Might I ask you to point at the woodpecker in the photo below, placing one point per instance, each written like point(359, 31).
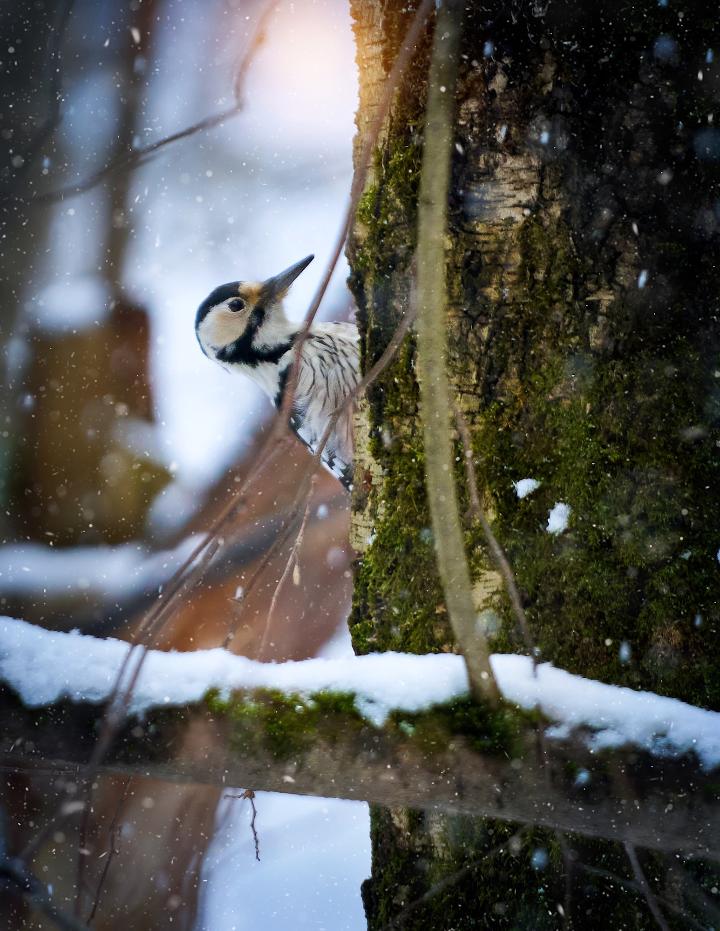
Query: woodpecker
point(242, 326)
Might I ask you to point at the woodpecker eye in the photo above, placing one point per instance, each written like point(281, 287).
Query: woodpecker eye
point(236, 304)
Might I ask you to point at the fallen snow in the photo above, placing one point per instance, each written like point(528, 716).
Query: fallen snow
point(558, 518)
point(108, 571)
point(617, 715)
point(44, 666)
point(526, 486)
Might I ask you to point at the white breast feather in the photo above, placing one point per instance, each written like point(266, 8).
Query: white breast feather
point(329, 370)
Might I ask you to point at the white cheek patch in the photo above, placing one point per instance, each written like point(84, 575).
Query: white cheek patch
point(222, 327)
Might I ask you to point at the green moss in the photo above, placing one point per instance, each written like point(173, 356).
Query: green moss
point(387, 207)
point(485, 729)
point(637, 566)
point(629, 442)
point(334, 703)
point(285, 724)
point(397, 601)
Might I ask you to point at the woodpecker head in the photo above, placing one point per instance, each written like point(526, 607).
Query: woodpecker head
point(237, 318)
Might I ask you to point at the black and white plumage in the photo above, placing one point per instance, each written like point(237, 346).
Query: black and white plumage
point(242, 326)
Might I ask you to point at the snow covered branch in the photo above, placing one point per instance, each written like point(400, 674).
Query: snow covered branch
point(624, 765)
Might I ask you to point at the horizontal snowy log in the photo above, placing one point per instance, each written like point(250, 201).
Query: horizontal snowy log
point(414, 759)
point(45, 666)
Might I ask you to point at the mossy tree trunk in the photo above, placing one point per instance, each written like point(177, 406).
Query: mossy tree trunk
point(583, 322)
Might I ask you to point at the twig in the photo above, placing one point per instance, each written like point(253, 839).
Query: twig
point(112, 850)
point(635, 887)
point(497, 551)
point(183, 581)
point(432, 354)
point(442, 886)
point(642, 882)
point(249, 795)
point(385, 359)
point(291, 562)
point(142, 154)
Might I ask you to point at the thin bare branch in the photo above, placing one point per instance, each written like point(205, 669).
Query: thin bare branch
point(432, 354)
point(644, 886)
point(503, 564)
point(249, 795)
point(292, 561)
point(635, 887)
point(183, 581)
point(112, 848)
point(385, 359)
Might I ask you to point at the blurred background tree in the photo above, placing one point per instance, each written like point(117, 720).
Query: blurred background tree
point(118, 439)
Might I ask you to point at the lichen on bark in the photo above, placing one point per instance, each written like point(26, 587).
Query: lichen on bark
point(568, 370)
point(584, 344)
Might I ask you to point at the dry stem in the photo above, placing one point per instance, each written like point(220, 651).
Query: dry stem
point(432, 354)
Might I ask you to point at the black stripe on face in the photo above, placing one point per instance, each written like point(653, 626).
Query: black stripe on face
point(243, 352)
point(221, 294)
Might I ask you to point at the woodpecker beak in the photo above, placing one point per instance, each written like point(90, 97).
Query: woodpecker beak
point(275, 288)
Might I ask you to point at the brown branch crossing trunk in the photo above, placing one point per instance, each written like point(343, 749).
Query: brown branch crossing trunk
point(435, 400)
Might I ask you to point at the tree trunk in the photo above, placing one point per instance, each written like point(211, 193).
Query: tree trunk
point(582, 319)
